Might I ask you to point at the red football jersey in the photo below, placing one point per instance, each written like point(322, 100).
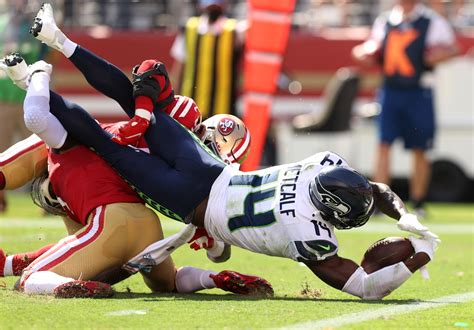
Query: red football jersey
point(85, 181)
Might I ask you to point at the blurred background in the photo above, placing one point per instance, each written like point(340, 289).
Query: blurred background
point(319, 77)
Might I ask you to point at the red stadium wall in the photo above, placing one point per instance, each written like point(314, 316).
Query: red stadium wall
point(310, 59)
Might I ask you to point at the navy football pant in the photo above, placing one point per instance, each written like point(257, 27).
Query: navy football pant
point(180, 173)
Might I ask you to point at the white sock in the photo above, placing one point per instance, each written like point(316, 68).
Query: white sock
point(69, 47)
point(190, 279)
point(8, 268)
point(44, 282)
point(37, 117)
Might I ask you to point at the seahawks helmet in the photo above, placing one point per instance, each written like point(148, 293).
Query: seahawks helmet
point(228, 137)
point(343, 196)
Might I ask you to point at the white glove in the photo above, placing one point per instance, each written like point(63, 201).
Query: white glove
point(426, 245)
point(409, 222)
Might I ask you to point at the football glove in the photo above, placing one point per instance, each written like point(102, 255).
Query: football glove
point(426, 245)
point(409, 222)
point(129, 133)
point(201, 240)
point(150, 79)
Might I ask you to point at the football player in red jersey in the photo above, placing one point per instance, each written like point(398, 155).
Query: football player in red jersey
point(108, 189)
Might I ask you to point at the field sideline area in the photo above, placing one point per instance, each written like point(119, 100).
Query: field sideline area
point(301, 300)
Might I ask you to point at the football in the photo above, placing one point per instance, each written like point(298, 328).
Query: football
point(386, 252)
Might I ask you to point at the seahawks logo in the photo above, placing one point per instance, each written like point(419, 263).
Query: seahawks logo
point(332, 201)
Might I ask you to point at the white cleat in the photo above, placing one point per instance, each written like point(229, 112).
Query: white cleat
point(40, 66)
point(45, 29)
point(17, 69)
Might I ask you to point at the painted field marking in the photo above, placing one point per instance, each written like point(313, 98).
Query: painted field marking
point(368, 315)
point(126, 312)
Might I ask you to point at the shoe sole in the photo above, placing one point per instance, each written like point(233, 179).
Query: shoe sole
point(80, 290)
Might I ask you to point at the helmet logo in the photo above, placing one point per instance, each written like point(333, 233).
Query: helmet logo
point(332, 201)
point(226, 126)
point(335, 204)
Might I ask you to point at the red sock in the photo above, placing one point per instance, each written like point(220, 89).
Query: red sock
point(22, 260)
point(144, 102)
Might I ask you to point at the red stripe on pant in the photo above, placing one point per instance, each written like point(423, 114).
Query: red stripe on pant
point(81, 240)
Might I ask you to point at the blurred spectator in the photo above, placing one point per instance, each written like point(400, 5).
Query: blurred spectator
point(206, 57)
point(408, 42)
point(14, 37)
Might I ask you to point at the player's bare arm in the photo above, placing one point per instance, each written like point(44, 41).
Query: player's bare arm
point(387, 201)
point(346, 275)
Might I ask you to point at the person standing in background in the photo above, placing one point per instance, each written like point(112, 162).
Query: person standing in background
point(408, 42)
point(14, 36)
point(206, 57)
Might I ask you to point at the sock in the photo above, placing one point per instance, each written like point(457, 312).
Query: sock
point(44, 282)
point(15, 264)
point(143, 107)
point(190, 279)
point(69, 47)
point(37, 117)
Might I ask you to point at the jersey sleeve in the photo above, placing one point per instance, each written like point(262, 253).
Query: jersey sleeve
point(311, 241)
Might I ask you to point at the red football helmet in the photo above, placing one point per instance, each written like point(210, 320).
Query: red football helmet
point(184, 110)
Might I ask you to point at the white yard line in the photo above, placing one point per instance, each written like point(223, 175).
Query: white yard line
point(370, 314)
point(371, 227)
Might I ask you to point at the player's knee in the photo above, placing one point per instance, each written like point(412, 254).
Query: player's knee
point(36, 111)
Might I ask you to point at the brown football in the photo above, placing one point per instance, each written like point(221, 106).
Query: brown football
point(386, 252)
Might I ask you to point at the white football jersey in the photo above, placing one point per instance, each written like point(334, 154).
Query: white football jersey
point(270, 211)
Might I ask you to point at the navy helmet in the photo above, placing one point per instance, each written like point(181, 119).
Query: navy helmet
point(343, 196)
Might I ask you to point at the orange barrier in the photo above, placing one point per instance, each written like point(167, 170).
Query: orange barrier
point(268, 32)
point(284, 6)
point(257, 123)
point(266, 40)
point(261, 72)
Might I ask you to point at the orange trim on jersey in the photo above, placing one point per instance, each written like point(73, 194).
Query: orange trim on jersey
point(396, 59)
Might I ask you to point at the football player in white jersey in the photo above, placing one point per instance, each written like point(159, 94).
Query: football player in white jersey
point(288, 211)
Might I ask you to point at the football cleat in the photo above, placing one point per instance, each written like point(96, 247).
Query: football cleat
point(45, 29)
point(83, 289)
point(3, 259)
point(17, 69)
point(231, 281)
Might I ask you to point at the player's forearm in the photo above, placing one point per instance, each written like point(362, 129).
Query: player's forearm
point(419, 260)
point(436, 56)
point(387, 201)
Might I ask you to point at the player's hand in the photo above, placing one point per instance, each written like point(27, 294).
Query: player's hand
point(409, 222)
point(426, 245)
point(201, 240)
point(130, 132)
point(151, 79)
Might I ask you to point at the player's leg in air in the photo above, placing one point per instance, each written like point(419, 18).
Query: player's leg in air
point(58, 267)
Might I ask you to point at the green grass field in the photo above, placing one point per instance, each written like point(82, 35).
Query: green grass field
point(417, 304)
